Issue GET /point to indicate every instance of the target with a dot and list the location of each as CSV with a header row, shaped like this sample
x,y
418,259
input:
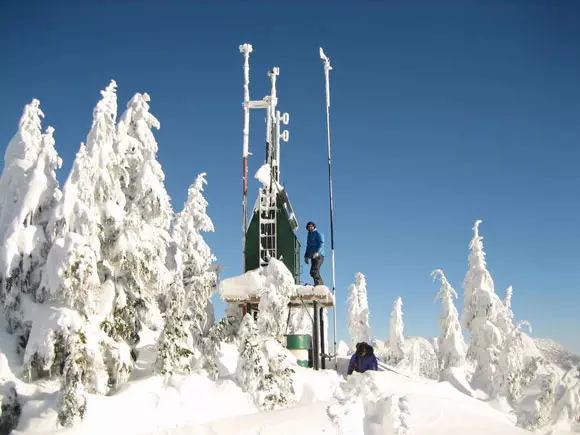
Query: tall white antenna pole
x,y
246,49
327,69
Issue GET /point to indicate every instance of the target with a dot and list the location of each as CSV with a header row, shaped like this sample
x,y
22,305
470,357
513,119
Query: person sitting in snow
x,y
314,252
363,359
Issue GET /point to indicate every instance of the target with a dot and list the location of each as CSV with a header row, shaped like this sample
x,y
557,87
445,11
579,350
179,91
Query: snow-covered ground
x,y
328,402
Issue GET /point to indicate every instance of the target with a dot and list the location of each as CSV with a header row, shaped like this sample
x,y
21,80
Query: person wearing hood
x,y
314,252
363,359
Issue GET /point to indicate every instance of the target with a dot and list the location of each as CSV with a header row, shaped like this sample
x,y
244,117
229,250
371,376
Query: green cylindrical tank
x,y
299,344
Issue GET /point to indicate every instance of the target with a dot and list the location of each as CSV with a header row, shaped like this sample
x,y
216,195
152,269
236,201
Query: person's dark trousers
x,y
315,270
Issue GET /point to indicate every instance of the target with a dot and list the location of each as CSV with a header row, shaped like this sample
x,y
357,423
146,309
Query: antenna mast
x,y
327,69
246,49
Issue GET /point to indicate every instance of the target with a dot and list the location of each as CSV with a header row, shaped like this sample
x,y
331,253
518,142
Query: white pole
x,y
277,142
327,69
246,49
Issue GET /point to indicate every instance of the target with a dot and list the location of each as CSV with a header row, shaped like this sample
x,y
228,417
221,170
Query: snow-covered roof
x,y
249,286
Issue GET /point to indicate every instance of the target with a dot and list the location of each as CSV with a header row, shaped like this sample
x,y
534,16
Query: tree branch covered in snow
x,y
274,300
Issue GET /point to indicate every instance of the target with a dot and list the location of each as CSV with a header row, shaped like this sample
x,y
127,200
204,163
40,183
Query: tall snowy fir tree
x,y
141,249
194,264
451,343
79,279
29,181
395,352
353,318
20,156
358,311
482,308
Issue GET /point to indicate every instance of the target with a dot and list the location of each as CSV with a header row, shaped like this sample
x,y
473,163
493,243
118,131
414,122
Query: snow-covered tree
x,y
353,315
508,298
395,352
72,404
141,248
505,317
195,261
275,389
30,178
567,407
274,300
451,343
535,410
79,277
482,308
21,155
10,407
221,332
358,311
510,376
252,364
174,347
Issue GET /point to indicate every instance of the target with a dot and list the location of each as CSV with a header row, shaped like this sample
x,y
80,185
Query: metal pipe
x,y
246,49
315,338
322,343
327,69
277,142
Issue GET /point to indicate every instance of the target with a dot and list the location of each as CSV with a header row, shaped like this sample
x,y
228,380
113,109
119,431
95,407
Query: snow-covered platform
x,y
247,288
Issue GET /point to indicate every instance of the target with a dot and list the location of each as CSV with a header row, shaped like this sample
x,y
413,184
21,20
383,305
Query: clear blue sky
x,y
442,113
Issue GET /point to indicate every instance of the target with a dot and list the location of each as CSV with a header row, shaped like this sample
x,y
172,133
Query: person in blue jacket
x,y
314,252
363,359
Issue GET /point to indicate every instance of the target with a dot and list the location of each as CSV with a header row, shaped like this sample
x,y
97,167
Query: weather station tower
x,y
269,229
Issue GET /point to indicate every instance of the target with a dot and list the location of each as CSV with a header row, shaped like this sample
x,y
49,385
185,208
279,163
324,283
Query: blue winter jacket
x,y
314,243
361,364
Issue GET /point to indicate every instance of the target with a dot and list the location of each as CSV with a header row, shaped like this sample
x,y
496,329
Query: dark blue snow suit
x,y
363,359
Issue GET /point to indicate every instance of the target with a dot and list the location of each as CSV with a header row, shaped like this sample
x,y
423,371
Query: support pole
x,y
322,343
327,69
315,339
246,49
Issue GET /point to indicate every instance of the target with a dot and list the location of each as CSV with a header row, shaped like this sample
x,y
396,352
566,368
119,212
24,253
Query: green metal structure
x,y
288,246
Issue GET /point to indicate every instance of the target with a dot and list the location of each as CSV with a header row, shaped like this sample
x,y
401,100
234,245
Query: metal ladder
x,y
267,221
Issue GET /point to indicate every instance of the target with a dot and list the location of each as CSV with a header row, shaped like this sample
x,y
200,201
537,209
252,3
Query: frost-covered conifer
x,y
510,376
482,309
72,404
79,277
535,410
174,347
276,389
141,248
29,192
567,406
274,300
505,316
221,332
10,407
395,352
252,364
358,311
196,260
451,343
